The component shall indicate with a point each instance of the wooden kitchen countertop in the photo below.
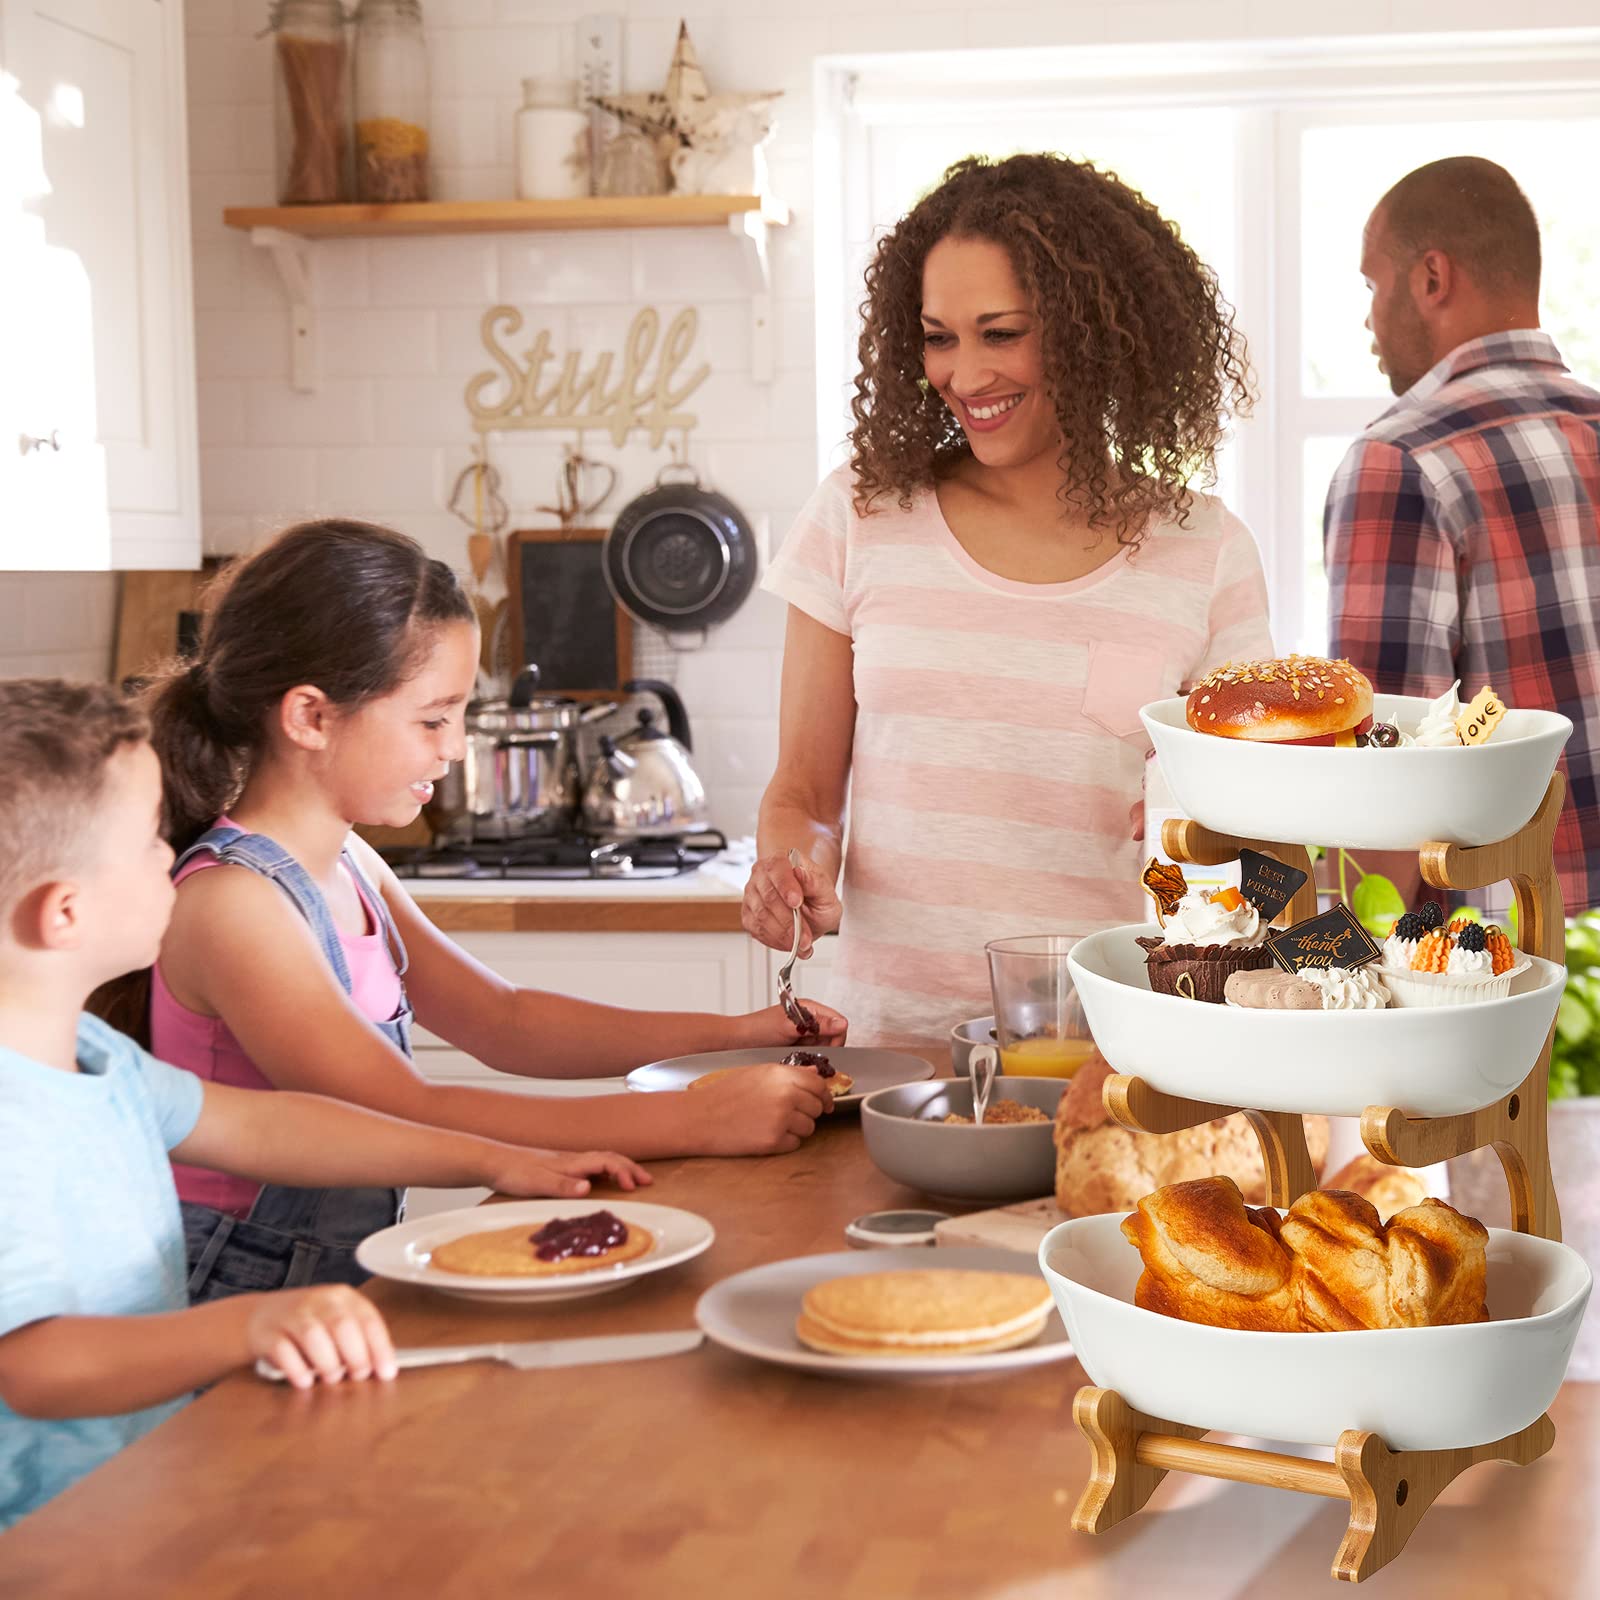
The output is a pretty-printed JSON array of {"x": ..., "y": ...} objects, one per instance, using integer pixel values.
[
  {"x": 709, "y": 1475},
  {"x": 520, "y": 913}
]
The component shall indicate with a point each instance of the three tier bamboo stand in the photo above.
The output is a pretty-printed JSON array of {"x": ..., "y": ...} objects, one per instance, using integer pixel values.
[{"x": 1388, "y": 1491}]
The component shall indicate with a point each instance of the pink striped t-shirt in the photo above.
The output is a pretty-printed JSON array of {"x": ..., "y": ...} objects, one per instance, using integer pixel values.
[
  {"x": 206, "y": 1046},
  {"x": 997, "y": 772}
]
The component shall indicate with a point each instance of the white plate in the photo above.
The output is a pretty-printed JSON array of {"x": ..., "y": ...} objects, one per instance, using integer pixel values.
[
  {"x": 871, "y": 1069},
  {"x": 1361, "y": 799},
  {"x": 1431, "y": 1061},
  {"x": 754, "y": 1313},
  {"x": 1417, "y": 1388},
  {"x": 402, "y": 1252}
]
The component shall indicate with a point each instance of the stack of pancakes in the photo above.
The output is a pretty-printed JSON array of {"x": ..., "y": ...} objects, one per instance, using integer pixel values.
[{"x": 923, "y": 1313}]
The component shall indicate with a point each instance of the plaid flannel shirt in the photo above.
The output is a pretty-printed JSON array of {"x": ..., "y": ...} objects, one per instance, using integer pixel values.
[{"x": 1462, "y": 538}]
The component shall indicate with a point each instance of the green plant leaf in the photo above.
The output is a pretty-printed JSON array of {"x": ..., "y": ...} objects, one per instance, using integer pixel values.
[
  {"x": 1469, "y": 913},
  {"x": 1511, "y": 923},
  {"x": 1376, "y": 903},
  {"x": 1574, "y": 1020}
]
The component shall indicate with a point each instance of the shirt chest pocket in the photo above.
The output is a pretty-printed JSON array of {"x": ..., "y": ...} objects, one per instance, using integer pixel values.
[{"x": 1122, "y": 677}]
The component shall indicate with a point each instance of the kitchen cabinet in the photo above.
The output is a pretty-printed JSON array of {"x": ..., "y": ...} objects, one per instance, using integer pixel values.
[
  {"x": 721, "y": 972},
  {"x": 98, "y": 434}
]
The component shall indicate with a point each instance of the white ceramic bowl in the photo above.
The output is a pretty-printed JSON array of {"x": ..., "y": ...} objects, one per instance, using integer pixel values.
[
  {"x": 1417, "y": 1388},
  {"x": 1431, "y": 1062},
  {"x": 1361, "y": 799}
]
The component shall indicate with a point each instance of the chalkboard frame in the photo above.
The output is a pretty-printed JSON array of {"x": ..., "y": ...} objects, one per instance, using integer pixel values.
[{"x": 524, "y": 539}]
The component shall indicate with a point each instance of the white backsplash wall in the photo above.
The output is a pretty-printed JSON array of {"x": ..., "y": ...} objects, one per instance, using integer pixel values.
[
  {"x": 386, "y": 433},
  {"x": 56, "y": 624}
]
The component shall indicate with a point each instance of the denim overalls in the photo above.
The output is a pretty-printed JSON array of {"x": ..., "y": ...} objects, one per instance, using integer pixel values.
[{"x": 293, "y": 1237}]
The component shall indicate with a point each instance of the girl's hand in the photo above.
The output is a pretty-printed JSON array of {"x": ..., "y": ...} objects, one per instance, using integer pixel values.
[
  {"x": 759, "y": 1111},
  {"x": 772, "y": 1026},
  {"x": 562, "y": 1174},
  {"x": 328, "y": 1332},
  {"x": 771, "y": 895}
]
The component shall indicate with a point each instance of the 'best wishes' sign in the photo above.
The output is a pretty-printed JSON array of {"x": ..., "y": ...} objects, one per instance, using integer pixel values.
[{"x": 636, "y": 389}]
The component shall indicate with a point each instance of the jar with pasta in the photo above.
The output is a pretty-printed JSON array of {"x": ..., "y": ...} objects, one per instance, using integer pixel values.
[
  {"x": 391, "y": 72},
  {"x": 311, "y": 102}
]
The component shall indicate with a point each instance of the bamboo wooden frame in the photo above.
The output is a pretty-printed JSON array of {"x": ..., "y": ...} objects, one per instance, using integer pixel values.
[{"x": 1388, "y": 1491}]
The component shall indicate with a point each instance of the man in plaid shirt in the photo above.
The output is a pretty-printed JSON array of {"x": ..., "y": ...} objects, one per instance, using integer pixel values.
[{"x": 1462, "y": 530}]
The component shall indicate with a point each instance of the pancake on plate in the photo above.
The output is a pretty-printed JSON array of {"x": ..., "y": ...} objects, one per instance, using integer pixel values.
[
  {"x": 840, "y": 1083},
  {"x": 923, "y": 1313},
  {"x": 515, "y": 1252}
]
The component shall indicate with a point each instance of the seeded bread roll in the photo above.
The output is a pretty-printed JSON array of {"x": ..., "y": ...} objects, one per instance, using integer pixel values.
[{"x": 1298, "y": 698}]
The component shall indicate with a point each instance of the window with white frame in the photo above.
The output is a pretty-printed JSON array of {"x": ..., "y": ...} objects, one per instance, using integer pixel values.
[{"x": 1269, "y": 158}]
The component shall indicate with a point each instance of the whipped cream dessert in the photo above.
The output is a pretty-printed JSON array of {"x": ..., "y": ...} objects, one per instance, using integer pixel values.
[
  {"x": 1397, "y": 952},
  {"x": 1222, "y": 918},
  {"x": 1437, "y": 729},
  {"x": 1310, "y": 989}
]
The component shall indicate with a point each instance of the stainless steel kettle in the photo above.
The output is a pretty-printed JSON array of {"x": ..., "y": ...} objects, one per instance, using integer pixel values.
[{"x": 643, "y": 785}]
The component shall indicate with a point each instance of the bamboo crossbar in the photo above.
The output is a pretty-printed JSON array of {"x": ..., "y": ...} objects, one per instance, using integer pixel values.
[{"x": 1239, "y": 1464}]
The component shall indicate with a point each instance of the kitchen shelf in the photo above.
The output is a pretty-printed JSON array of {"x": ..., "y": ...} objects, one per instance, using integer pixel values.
[
  {"x": 508, "y": 216},
  {"x": 289, "y": 232}
]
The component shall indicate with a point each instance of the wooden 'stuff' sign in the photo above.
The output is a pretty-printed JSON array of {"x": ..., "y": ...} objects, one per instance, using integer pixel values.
[{"x": 575, "y": 398}]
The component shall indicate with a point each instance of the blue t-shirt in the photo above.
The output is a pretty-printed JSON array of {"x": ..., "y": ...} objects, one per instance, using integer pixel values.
[{"x": 89, "y": 1226}]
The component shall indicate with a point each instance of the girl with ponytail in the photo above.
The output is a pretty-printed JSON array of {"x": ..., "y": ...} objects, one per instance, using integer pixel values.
[{"x": 333, "y": 671}]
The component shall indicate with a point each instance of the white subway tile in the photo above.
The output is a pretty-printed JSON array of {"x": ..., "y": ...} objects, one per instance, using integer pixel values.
[
  {"x": 67, "y": 612},
  {"x": 379, "y": 343},
  {"x": 474, "y": 183},
  {"x": 563, "y": 269},
  {"x": 734, "y": 810},
  {"x": 764, "y": 473},
  {"x": 702, "y": 264},
  {"x": 242, "y": 344},
  {"x": 736, "y": 752},
  {"x": 208, "y": 16},
  {"x": 792, "y": 406},
  {"x": 341, "y": 271},
  {"x": 756, "y": 627},
  {"x": 464, "y": 131},
  {"x": 726, "y": 682},
  {"x": 351, "y": 481},
  {"x": 213, "y": 137},
  {"x": 218, "y": 272},
  {"x": 435, "y": 272},
  {"x": 420, "y": 411},
  {"x": 220, "y": 403},
  {"x": 271, "y": 482},
  {"x": 255, "y": 139},
  {"x": 340, "y": 411}
]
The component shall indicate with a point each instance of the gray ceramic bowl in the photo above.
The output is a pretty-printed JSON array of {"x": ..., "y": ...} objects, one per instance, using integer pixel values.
[
  {"x": 908, "y": 1140},
  {"x": 964, "y": 1038}
]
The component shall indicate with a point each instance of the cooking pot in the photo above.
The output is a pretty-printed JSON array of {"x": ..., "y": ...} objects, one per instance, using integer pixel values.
[
  {"x": 520, "y": 774},
  {"x": 643, "y": 785},
  {"x": 680, "y": 557}
]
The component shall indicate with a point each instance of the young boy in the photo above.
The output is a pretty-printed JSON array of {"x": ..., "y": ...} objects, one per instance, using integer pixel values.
[{"x": 97, "y": 1341}]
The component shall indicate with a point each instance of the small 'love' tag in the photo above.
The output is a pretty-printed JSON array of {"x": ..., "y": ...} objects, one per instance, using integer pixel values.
[
  {"x": 1481, "y": 717},
  {"x": 1267, "y": 884},
  {"x": 1333, "y": 939}
]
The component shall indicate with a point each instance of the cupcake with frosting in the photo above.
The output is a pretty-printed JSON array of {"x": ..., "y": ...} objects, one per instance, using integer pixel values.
[
  {"x": 1425, "y": 964},
  {"x": 1206, "y": 938}
]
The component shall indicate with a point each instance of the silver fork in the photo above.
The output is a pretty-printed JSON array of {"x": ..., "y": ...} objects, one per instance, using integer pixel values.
[{"x": 792, "y": 1009}]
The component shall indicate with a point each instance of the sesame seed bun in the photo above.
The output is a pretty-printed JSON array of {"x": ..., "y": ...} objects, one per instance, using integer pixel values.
[{"x": 1292, "y": 700}]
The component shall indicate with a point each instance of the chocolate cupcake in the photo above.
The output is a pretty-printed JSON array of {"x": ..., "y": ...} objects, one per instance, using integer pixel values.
[
  {"x": 1199, "y": 971},
  {"x": 1206, "y": 939}
]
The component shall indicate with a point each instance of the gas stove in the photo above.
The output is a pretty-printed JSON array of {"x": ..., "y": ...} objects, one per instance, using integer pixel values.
[{"x": 566, "y": 855}]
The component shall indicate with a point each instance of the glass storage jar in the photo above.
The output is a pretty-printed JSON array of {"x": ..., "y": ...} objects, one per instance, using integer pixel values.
[
  {"x": 391, "y": 93},
  {"x": 311, "y": 105},
  {"x": 552, "y": 141}
]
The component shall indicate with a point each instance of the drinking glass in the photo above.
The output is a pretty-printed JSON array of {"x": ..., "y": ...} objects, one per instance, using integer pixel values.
[{"x": 1038, "y": 1017}]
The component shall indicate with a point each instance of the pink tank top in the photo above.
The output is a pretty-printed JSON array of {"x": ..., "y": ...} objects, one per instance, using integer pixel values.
[{"x": 206, "y": 1047}]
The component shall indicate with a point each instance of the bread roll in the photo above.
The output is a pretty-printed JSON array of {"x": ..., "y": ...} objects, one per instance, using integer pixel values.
[{"x": 1102, "y": 1167}]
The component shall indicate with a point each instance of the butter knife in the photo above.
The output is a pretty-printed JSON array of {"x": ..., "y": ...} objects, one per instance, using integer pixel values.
[{"x": 542, "y": 1352}]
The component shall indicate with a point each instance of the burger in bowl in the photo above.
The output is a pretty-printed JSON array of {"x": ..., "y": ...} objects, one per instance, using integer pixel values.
[{"x": 1304, "y": 700}]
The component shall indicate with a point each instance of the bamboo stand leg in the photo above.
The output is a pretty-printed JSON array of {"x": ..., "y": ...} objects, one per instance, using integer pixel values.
[
  {"x": 1518, "y": 1125},
  {"x": 1388, "y": 1491}
]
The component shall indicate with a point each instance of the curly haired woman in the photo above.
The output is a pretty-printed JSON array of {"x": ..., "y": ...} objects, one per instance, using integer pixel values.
[{"x": 1011, "y": 564}]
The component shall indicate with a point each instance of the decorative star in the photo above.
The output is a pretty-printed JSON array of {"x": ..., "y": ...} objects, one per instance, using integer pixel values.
[{"x": 684, "y": 108}]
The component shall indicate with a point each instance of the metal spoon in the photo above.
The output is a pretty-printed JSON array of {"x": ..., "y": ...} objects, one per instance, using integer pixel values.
[
  {"x": 985, "y": 1064},
  {"x": 792, "y": 1009}
]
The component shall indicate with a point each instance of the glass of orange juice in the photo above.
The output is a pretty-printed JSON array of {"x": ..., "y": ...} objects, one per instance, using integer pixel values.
[{"x": 1038, "y": 1017}]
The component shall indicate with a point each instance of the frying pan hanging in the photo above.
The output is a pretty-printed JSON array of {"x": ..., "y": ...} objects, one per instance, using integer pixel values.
[{"x": 680, "y": 557}]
